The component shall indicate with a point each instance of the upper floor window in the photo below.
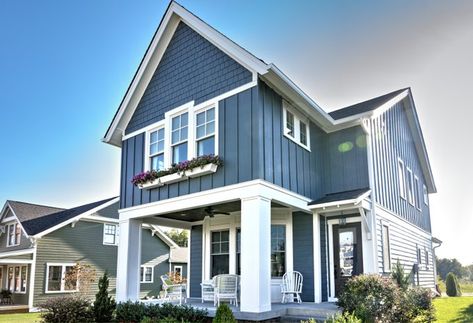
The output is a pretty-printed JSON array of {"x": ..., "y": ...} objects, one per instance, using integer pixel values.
[
  {"x": 410, "y": 186},
  {"x": 205, "y": 132},
  {"x": 417, "y": 192},
  {"x": 402, "y": 178},
  {"x": 179, "y": 133},
  {"x": 426, "y": 195},
  {"x": 156, "y": 149},
  {"x": 296, "y": 126},
  {"x": 110, "y": 234},
  {"x": 13, "y": 234}
]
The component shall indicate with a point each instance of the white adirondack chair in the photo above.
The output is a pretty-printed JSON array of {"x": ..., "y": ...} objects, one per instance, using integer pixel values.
[
  {"x": 226, "y": 287},
  {"x": 173, "y": 291},
  {"x": 291, "y": 286}
]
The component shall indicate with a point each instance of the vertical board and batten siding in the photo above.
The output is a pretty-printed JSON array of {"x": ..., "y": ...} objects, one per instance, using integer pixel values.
[
  {"x": 392, "y": 139},
  {"x": 191, "y": 69},
  {"x": 195, "y": 261},
  {"x": 303, "y": 251}
]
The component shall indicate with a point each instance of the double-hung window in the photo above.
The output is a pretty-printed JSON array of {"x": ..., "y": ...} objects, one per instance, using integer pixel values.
[
  {"x": 110, "y": 234},
  {"x": 205, "y": 132},
  {"x": 295, "y": 126},
  {"x": 146, "y": 274},
  {"x": 60, "y": 278},
  {"x": 386, "y": 250},
  {"x": 179, "y": 136},
  {"x": 402, "y": 178},
  {"x": 278, "y": 250},
  {"x": 220, "y": 252},
  {"x": 303, "y": 133},
  {"x": 426, "y": 195},
  {"x": 289, "y": 124},
  {"x": 156, "y": 149},
  {"x": 410, "y": 186},
  {"x": 17, "y": 278},
  {"x": 417, "y": 192},
  {"x": 14, "y": 234},
  {"x": 238, "y": 251}
]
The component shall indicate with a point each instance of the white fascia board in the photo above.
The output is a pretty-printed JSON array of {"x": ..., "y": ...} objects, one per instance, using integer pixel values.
[
  {"x": 98, "y": 218},
  {"x": 76, "y": 218},
  {"x": 161, "y": 235},
  {"x": 15, "y": 261},
  {"x": 18, "y": 221},
  {"x": 16, "y": 252},
  {"x": 342, "y": 203}
]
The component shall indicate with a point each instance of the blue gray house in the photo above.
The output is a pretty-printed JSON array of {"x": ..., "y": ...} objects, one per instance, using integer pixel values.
[
  {"x": 40, "y": 245},
  {"x": 330, "y": 195}
]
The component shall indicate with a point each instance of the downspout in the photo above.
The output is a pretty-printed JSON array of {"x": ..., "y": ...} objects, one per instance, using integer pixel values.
[{"x": 434, "y": 260}]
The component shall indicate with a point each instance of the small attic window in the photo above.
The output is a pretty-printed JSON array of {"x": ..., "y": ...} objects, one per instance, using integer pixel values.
[
  {"x": 13, "y": 234},
  {"x": 295, "y": 126}
]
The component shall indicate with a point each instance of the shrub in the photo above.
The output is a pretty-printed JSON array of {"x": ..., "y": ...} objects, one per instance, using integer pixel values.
[
  {"x": 370, "y": 297},
  {"x": 402, "y": 279},
  {"x": 130, "y": 312},
  {"x": 415, "y": 305},
  {"x": 452, "y": 286},
  {"x": 104, "y": 305},
  {"x": 343, "y": 318},
  {"x": 224, "y": 314},
  {"x": 136, "y": 312},
  {"x": 69, "y": 309}
]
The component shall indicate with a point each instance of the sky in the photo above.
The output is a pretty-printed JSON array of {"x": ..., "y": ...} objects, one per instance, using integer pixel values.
[{"x": 65, "y": 66}]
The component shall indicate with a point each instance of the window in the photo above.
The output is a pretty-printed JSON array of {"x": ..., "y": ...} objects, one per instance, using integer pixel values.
[
  {"x": 146, "y": 274},
  {"x": 295, "y": 126},
  {"x": 402, "y": 179},
  {"x": 179, "y": 138},
  {"x": 410, "y": 186},
  {"x": 238, "y": 251},
  {"x": 178, "y": 270},
  {"x": 60, "y": 278},
  {"x": 417, "y": 192},
  {"x": 426, "y": 253},
  {"x": 219, "y": 252},
  {"x": 14, "y": 235},
  {"x": 278, "y": 250},
  {"x": 17, "y": 278},
  {"x": 419, "y": 256},
  {"x": 205, "y": 132},
  {"x": 110, "y": 234},
  {"x": 386, "y": 250},
  {"x": 156, "y": 149},
  {"x": 426, "y": 195}
]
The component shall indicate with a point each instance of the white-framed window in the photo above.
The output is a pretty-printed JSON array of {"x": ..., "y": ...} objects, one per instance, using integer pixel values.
[
  {"x": 178, "y": 270},
  {"x": 402, "y": 178},
  {"x": 410, "y": 186},
  {"x": 56, "y": 275},
  {"x": 419, "y": 255},
  {"x": 296, "y": 127},
  {"x": 278, "y": 250},
  {"x": 156, "y": 149},
  {"x": 205, "y": 131},
  {"x": 386, "y": 250},
  {"x": 426, "y": 253},
  {"x": 111, "y": 233},
  {"x": 146, "y": 274},
  {"x": 426, "y": 194},
  {"x": 417, "y": 192},
  {"x": 220, "y": 252},
  {"x": 17, "y": 278},
  {"x": 179, "y": 135},
  {"x": 13, "y": 234}
]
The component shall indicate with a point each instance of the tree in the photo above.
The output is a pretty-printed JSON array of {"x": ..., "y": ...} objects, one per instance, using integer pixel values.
[
  {"x": 445, "y": 266},
  {"x": 453, "y": 288},
  {"x": 402, "y": 279},
  {"x": 80, "y": 276},
  {"x": 180, "y": 237},
  {"x": 104, "y": 305}
]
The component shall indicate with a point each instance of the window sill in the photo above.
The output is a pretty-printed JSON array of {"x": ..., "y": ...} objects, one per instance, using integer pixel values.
[
  {"x": 294, "y": 140},
  {"x": 61, "y": 292}
]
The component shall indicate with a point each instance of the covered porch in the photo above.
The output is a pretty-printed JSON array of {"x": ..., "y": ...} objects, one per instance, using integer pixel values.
[{"x": 15, "y": 281}]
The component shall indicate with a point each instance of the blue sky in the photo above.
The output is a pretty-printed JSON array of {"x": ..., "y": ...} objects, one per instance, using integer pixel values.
[{"x": 65, "y": 66}]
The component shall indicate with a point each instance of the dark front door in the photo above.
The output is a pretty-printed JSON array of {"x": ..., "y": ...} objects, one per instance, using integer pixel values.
[{"x": 347, "y": 253}]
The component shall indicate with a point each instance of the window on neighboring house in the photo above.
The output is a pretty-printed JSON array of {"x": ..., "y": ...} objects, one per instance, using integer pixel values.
[
  {"x": 386, "y": 250},
  {"x": 178, "y": 270},
  {"x": 156, "y": 149},
  {"x": 17, "y": 278},
  {"x": 426, "y": 195},
  {"x": 205, "y": 132},
  {"x": 60, "y": 278},
  {"x": 295, "y": 126},
  {"x": 179, "y": 135},
  {"x": 146, "y": 274},
  {"x": 238, "y": 251},
  {"x": 410, "y": 186},
  {"x": 402, "y": 179},
  {"x": 278, "y": 250},
  {"x": 110, "y": 234},
  {"x": 289, "y": 124},
  {"x": 13, "y": 234},
  {"x": 219, "y": 252},
  {"x": 417, "y": 192}
]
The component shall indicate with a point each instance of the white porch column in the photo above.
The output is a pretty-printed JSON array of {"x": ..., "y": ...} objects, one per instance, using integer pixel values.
[
  {"x": 129, "y": 260},
  {"x": 317, "y": 260},
  {"x": 255, "y": 254}
]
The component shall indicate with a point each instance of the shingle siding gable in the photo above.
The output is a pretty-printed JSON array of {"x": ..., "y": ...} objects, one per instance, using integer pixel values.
[{"x": 191, "y": 69}]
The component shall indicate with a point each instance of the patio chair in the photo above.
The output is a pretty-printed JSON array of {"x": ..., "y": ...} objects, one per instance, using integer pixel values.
[
  {"x": 207, "y": 289},
  {"x": 291, "y": 287},
  {"x": 226, "y": 287},
  {"x": 173, "y": 291}
]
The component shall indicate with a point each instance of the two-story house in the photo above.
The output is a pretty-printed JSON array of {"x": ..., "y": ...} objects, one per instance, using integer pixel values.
[{"x": 330, "y": 195}]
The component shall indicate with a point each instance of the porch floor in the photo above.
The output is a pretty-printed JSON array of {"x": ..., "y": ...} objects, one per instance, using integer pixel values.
[
  {"x": 289, "y": 312},
  {"x": 10, "y": 309}
]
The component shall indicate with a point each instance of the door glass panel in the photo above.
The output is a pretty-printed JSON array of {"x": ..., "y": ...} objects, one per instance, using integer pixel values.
[{"x": 347, "y": 238}]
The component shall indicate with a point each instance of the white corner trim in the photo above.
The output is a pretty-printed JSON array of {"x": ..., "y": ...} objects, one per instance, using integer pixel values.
[{"x": 32, "y": 278}]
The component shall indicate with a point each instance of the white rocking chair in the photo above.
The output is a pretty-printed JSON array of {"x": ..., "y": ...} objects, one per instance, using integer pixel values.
[
  {"x": 226, "y": 287},
  {"x": 173, "y": 291},
  {"x": 291, "y": 286}
]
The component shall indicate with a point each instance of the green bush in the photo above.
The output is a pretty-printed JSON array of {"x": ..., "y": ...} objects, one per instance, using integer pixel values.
[
  {"x": 415, "y": 305},
  {"x": 452, "y": 286},
  {"x": 69, "y": 309},
  {"x": 104, "y": 305},
  {"x": 344, "y": 318},
  {"x": 402, "y": 279},
  {"x": 224, "y": 314},
  {"x": 371, "y": 298},
  {"x": 130, "y": 312}
]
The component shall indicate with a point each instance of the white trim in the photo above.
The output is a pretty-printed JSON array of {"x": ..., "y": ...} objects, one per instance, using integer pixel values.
[
  {"x": 4, "y": 254},
  {"x": 317, "y": 258},
  {"x": 7, "y": 261},
  {"x": 341, "y": 203},
  {"x": 9, "y": 219},
  {"x": 298, "y": 118},
  {"x": 21, "y": 265},
  {"x": 401, "y": 170},
  {"x": 410, "y": 186},
  {"x": 181, "y": 269},
  {"x": 386, "y": 269},
  {"x": 63, "y": 273},
  {"x": 32, "y": 278},
  {"x": 425, "y": 194},
  {"x": 15, "y": 225},
  {"x": 155, "y": 230},
  {"x": 116, "y": 235},
  {"x": 143, "y": 279},
  {"x": 417, "y": 200},
  {"x": 99, "y": 219}
]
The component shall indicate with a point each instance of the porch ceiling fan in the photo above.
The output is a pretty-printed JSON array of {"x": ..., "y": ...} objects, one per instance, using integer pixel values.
[{"x": 210, "y": 211}]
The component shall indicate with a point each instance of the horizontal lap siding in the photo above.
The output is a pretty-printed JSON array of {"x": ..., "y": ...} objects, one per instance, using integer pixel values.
[{"x": 303, "y": 246}]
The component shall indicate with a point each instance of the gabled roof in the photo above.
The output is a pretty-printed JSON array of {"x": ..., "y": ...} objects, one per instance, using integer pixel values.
[{"x": 28, "y": 211}]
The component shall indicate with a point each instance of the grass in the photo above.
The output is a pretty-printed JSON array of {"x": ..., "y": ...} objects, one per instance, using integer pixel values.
[
  {"x": 454, "y": 309},
  {"x": 466, "y": 287},
  {"x": 17, "y": 318}
]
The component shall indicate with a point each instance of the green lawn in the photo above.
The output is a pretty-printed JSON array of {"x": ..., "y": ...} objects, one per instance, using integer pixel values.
[
  {"x": 454, "y": 309},
  {"x": 23, "y": 318}
]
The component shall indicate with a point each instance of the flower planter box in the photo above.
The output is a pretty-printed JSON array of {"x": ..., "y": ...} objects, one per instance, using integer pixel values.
[
  {"x": 202, "y": 170},
  {"x": 151, "y": 184},
  {"x": 173, "y": 178}
]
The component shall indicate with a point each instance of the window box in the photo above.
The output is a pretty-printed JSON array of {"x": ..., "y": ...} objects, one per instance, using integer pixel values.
[
  {"x": 172, "y": 178},
  {"x": 202, "y": 170},
  {"x": 152, "y": 184}
]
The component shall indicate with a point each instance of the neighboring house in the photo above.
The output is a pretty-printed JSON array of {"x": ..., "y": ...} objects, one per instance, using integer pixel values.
[
  {"x": 39, "y": 245},
  {"x": 330, "y": 195}
]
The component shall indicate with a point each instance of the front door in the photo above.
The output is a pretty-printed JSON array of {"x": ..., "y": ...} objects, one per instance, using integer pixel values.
[{"x": 347, "y": 253}]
